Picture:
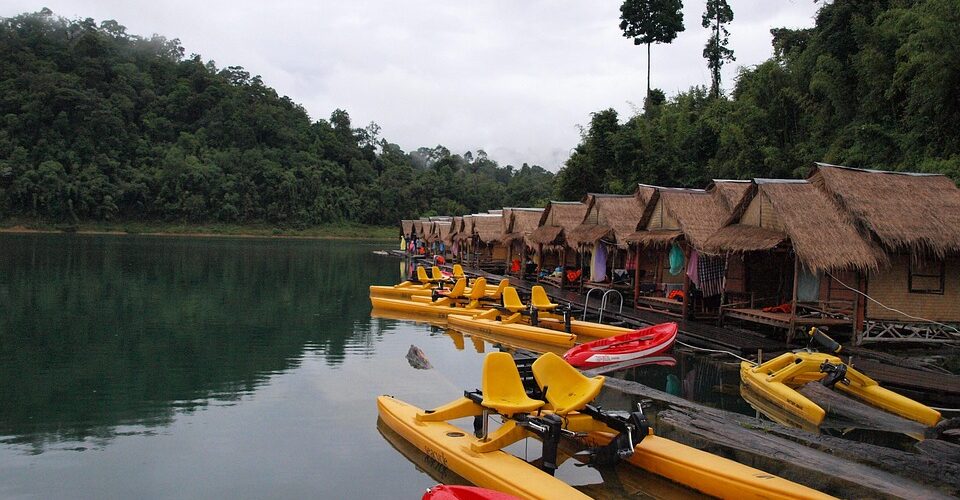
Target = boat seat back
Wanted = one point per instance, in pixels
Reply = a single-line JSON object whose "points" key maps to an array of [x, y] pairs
{"points": [[457, 291], [479, 289], [436, 274], [504, 283], [511, 301], [502, 388], [422, 275], [563, 386], [540, 300], [458, 271]]}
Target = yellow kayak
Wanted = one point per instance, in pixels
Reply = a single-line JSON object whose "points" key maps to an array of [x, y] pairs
{"points": [[777, 379], [449, 446]]}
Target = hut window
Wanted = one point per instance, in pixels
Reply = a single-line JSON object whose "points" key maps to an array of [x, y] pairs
{"points": [[926, 275]]}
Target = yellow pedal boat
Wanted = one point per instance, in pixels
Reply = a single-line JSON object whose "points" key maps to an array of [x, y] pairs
{"points": [[777, 380], [563, 413]]}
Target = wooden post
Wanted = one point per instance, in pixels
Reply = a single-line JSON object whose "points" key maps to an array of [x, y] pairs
{"points": [[636, 275], [793, 302], [686, 284], [860, 306], [539, 260]]}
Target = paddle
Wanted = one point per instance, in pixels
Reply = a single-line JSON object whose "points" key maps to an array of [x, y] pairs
{"points": [[604, 347]]}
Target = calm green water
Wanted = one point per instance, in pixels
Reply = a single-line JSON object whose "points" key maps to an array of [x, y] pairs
{"points": [[148, 367]]}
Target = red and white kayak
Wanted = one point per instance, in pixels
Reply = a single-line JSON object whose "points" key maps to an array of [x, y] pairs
{"points": [[641, 343], [452, 492]]}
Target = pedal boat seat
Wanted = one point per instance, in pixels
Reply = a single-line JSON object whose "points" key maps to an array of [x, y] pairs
{"points": [[422, 276], [457, 291], [511, 300], [436, 275], [502, 388], [498, 293], [458, 271], [541, 301], [564, 387]]}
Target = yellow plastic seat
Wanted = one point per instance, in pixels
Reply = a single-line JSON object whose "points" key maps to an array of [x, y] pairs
{"points": [[511, 301], [540, 300], [564, 387], [435, 274], [502, 388], [457, 291], [479, 289], [458, 271], [504, 283], [422, 275]]}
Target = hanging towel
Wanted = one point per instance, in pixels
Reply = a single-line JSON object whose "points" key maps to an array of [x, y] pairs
{"points": [[598, 271], [676, 259], [693, 268], [711, 271]]}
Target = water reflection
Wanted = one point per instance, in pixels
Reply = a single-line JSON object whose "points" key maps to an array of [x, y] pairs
{"points": [[102, 331]]}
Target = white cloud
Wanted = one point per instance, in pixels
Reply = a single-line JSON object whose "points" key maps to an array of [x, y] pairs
{"points": [[513, 78]]}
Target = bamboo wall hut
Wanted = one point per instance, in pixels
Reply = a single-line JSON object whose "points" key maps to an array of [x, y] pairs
{"points": [[450, 239], [915, 218], [518, 224], [491, 254], [672, 274], [441, 228], [558, 218], [779, 242], [465, 240], [602, 236]]}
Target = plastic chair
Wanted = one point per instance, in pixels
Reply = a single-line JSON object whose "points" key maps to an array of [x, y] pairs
{"points": [[540, 300], [479, 289], [511, 301], [457, 291], [563, 386], [435, 273], [502, 388], [458, 271], [422, 275], [504, 283]]}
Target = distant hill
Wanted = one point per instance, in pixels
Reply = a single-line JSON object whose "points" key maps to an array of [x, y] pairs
{"points": [[99, 124]]}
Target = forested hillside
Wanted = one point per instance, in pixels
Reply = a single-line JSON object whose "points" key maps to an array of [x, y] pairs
{"points": [[99, 124], [875, 83]]}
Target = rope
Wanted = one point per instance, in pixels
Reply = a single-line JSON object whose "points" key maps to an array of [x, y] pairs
{"points": [[717, 350], [877, 302], [948, 410]]}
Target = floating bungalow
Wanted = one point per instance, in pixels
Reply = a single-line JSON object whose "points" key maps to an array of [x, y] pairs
{"points": [[601, 238], [554, 256], [780, 241], [489, 251], [518, 225], [915, 219], [673, 275]]}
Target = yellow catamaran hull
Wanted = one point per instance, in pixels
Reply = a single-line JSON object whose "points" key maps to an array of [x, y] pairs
{"points": [[470, 324], [777, 380]]}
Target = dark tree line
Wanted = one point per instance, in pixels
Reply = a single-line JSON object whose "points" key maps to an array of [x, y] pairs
{"points": [[872, 84], [99, 124]]}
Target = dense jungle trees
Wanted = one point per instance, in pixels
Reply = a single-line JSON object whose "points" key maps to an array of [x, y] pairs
{"points": [[872, 84], [99, 124]]}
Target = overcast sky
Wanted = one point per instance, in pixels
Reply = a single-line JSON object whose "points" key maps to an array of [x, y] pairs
{"points": [[514, 78]]}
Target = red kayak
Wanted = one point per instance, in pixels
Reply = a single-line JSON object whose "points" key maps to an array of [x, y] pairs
{"points": [[451, 492], [641, 343]]}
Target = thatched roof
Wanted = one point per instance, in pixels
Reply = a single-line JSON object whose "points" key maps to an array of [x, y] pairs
{"points": [[406, 226], [698, 213], [822, 237], [728, 191], [440, 230], [903, 211], [558, 218], [519, 223], [455, 227], [466, 229], [488, 228], [660, 238], [610, 216]]}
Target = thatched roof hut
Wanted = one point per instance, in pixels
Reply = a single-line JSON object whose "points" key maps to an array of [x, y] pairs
{"points": [[406, 226], [466, 229], [672, 213], [455, 226], [519, 223], [904, 212], [729, 191], [488, 227], [795, 212], [440, 229], [557, 218], [609, 216]]}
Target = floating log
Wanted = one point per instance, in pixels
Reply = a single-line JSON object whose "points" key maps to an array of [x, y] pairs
{"points": [[859, 414], [834, 465]]}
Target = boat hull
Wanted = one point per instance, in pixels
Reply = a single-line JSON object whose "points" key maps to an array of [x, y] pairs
{"points": [[517, 330], [438, 310], [449, 446]]}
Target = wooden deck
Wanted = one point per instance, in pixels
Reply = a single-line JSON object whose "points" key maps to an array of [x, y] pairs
{"points": [[782, 320], [660, 304]]}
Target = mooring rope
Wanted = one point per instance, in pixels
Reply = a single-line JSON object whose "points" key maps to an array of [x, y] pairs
{"points": [[717, 350]]}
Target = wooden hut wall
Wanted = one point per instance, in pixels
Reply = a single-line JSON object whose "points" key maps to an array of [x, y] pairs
{"points": [[935, 284]]}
